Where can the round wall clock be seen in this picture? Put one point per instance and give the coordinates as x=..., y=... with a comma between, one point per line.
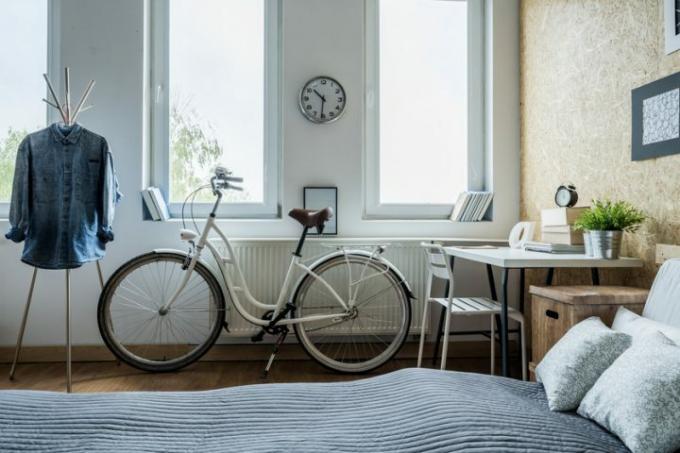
x=322, y=100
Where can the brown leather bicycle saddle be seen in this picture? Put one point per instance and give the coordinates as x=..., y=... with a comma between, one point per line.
x=309, y=218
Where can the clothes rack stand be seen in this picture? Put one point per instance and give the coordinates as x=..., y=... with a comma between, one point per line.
x=68, y=116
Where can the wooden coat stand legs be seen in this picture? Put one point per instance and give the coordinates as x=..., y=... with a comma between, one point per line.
x=22, y=329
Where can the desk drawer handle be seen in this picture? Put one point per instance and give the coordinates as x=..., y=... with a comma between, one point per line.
x=552, y=314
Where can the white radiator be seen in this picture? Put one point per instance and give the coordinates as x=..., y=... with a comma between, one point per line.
x=265, y=262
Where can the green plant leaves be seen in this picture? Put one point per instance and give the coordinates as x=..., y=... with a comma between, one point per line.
x=605, y=215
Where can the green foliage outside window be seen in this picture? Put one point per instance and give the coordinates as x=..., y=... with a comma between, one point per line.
x=8, y=154
x=194, y=154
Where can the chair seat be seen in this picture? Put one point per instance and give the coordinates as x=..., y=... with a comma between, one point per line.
x=470, y=306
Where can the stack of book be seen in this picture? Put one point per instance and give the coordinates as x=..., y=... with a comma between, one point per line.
x=557, y=226
x=155, y=204
x=557, y=232
x=471, y=206
x=546, y=247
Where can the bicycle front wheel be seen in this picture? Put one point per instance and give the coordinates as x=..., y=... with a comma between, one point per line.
x=374, y=327
x=141, y=332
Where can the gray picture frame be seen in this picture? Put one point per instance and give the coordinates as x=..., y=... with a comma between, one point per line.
x=656, y=119
x=320, y=197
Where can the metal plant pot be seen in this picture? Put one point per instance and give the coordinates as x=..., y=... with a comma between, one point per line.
x=587, y=243
x=606, y=244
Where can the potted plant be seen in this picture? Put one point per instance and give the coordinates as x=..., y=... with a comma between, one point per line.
x=603, y=226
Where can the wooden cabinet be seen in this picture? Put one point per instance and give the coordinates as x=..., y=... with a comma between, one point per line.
x=554, y=309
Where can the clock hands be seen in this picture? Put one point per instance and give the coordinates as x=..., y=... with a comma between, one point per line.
x=323, y=102
x=323, y=98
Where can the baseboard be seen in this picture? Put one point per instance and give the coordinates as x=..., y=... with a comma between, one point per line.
x=234, y=352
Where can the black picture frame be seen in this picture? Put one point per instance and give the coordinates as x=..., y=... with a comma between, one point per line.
x=320, y=197
x=640, y=150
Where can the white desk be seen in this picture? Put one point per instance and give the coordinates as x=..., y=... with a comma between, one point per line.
x=507, y=258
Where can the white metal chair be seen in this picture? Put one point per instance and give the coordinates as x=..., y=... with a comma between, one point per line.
x=439, y=266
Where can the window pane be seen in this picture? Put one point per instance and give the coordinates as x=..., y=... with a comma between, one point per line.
x=23, y=58
x=216, y=94
x=423, y=101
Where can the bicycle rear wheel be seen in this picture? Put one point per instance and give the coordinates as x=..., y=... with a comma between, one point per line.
x=372, y=331
x=140, y=333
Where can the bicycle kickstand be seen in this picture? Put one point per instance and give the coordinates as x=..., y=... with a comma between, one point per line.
x=279, y=342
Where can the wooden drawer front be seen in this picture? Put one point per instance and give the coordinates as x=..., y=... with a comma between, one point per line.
x=550, y=320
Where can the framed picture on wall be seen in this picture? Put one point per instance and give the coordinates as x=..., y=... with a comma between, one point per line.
x=319, y=198
x=671, y=15
x=656, y=118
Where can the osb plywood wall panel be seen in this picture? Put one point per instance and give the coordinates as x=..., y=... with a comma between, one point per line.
x=579, y=61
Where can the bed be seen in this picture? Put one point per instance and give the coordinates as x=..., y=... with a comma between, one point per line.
x=411, y=410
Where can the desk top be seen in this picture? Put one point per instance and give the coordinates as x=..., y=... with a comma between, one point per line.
x=517, y=258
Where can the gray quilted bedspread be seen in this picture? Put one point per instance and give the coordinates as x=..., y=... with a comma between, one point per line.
x=413, y=410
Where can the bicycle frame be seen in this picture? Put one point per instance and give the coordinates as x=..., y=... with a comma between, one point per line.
x=240, y=287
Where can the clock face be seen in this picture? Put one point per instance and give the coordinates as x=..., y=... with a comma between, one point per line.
x=566, y=196
x=562, y=197
x=322, y=100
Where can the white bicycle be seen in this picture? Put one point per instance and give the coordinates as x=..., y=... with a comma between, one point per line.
x=164, y=310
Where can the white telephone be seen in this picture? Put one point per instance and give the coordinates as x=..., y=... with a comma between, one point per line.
x=520, y=234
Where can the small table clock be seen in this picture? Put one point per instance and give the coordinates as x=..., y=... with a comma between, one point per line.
x=566, y=196
x=322, y=100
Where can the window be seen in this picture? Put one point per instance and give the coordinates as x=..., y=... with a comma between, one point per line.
x=424, y=104
x=214, y=70
x=24, y=25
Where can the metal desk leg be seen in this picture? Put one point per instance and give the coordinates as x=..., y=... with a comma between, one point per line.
x=22, y=329
x=494, y=296
x=442, y=316
x=549, y=277
x=68, y=330
x=521, y=310
x=595, y=276
x=521, y=290
x=440, y=332
x=504, y=322
x=492, y=282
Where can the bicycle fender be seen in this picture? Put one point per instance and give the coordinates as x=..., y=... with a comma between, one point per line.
x=201, y=260
x=378, y=258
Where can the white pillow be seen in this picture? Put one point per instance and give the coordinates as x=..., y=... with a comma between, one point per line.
x=573, y=365
x=638, y=397
x=623, y=317
x=637, y=326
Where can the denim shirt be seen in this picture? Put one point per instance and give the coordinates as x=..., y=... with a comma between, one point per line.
x=63, y=197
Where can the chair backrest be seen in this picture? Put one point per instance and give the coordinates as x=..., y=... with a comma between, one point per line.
x=663, y=302
x=437, y=262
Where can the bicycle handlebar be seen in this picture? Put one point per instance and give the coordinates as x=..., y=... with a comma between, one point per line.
x=223, y=180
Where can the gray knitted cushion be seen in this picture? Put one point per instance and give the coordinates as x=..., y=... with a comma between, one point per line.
x=638, y=397
x=573, y=365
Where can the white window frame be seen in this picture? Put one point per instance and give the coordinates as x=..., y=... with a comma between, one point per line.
x=52, y=68
x=160, y=107
x=373, y=208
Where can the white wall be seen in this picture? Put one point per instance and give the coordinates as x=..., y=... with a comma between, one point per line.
x=104, y=40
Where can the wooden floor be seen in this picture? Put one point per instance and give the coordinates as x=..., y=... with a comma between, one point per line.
x=205, y=375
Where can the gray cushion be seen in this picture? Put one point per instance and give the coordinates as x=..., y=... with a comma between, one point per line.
x=638, y=397
x=573, y=365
